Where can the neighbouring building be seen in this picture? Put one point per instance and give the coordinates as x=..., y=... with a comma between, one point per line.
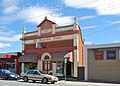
x=47, y=47
x=102, y=62
x=10, y=61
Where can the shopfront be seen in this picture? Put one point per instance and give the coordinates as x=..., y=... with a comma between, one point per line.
x=8, y=64
x=54, y=63
x=10, y=61
x=29, y=61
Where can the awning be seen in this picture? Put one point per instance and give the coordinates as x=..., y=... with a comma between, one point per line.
x=28, y=58
x=60, y=56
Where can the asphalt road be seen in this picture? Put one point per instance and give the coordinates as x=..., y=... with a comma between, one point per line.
x=60, y=83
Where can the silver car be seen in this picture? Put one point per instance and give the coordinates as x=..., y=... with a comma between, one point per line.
x=36, y=75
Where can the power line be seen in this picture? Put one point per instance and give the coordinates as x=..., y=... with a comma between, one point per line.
x=103, y=9
x=101, y=30
x=48, y=13
x=86, y=3
x=78, y=5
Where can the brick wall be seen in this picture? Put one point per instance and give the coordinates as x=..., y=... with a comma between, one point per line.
x=46, y=25
x=56, y=44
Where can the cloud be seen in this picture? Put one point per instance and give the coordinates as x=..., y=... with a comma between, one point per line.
x=8, y=19
x=36, y=14
x=88, y=27
x=2, y=45
x=11, y=38
x=9, y=6
x=10, y=9
x=4, y=31
x=86, y=17
x=103, y=7
x=7, y=3
x=116, y=22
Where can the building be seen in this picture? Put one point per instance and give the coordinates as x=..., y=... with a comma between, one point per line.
x=10, y=61
x=102, y=62
x=47, y=47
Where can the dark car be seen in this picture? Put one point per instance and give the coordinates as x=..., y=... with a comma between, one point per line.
x=6, y=74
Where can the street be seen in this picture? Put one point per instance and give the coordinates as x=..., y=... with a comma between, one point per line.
x=59, y=83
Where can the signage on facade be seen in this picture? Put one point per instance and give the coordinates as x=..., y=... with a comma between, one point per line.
x=51, y=38
x=99, y=55
x=111, y=54
x=46, y=31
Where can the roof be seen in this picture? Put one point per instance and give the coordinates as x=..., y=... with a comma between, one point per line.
x=103, y=45
x=44, y=21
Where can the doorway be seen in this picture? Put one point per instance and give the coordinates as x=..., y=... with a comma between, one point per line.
x=47, y=64
x=68, y=71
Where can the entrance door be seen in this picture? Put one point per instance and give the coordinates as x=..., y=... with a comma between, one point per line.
x=46, y=66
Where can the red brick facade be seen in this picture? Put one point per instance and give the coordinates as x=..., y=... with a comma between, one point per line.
x=56, y=44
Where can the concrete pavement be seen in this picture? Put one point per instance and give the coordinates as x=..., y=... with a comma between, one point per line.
x=59, y=83
x=76, y=83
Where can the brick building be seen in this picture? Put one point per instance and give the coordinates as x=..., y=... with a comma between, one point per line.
x=47, y=47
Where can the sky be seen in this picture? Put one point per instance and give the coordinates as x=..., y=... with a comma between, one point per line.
x=99, y=20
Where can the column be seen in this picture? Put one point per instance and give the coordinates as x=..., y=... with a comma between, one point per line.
x=23, y=46
x=53, y=28
x=39, y=65
x=39, y=31
x=16, y=65
x=76, y=56
x=75, y=63
x=22, y=67
x=54, y=69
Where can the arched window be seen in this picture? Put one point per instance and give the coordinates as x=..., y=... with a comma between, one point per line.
x=47, y=57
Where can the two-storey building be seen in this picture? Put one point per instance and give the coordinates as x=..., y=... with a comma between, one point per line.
x=47, y=47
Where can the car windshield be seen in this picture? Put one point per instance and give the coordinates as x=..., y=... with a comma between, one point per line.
x=6, y=71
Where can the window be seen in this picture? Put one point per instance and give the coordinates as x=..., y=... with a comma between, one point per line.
x=38, y=45
x=99, y=55
x=37, y=73
x=47, y=57
x=111, y=54
x=30, y=72
x=44, y=45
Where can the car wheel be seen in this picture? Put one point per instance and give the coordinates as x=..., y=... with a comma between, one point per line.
x=25, y=79
x=6, y=77
x=44, y=80
x=34, y=81
x=52, y=82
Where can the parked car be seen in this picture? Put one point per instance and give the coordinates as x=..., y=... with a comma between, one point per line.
x=36, y=75
x=6, y=74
